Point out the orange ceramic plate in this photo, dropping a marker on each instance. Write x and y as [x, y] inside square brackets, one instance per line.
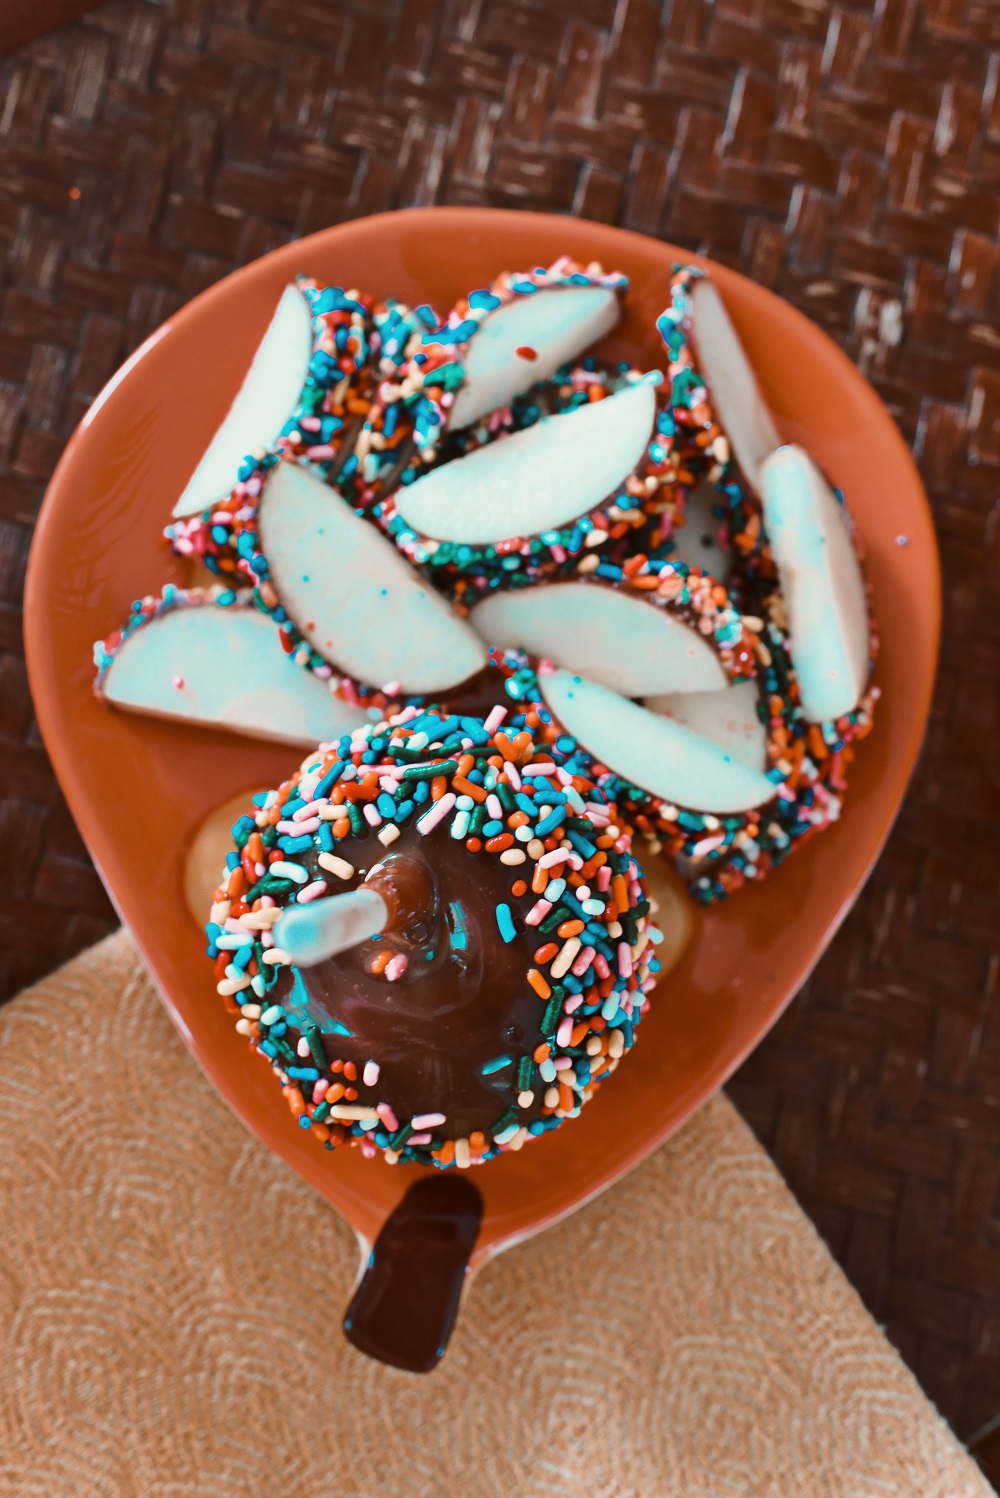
[139, 787]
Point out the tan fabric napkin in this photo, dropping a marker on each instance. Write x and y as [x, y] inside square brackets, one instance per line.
[171, 1295]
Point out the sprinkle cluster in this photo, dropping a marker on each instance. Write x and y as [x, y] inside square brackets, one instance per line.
[523, 796]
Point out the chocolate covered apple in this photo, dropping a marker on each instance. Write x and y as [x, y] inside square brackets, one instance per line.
[436, 932]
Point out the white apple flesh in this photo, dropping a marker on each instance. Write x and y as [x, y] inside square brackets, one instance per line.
[660, 756]
[696, 542]
[224, 668]
[264, 402]
[739, 403]
[728, 717]
[356, 600]
[551, 326]
[623, 642]
[822, 583]
[536, 480]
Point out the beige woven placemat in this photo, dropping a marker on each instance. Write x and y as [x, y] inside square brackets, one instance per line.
[171, 1294]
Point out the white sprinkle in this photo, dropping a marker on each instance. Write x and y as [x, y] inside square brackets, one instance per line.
[512, 857]
[335, 865]
[276, 954]
[370, 1074]
[283, 870]
[389, 834]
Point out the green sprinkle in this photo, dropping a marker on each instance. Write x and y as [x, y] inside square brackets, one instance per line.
[321, 1112]
[316, 1046]
[552, 1010]
[357, 821]
[525, 1072]
[429, 772]
[399, 1139]
[511, 1116]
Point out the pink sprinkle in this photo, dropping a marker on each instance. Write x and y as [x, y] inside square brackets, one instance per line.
[310, 423]
[324, 672]
[420, 1139]
[573, 1003]
[494, 718]
[267, 902]
[387, 1116]
[437, 813]
[303, 1046]
[512, 775]
[311, 892]
[298, 829]
[372, 815]
[601, 966]
[550, 860]
[621, 846]
[538, 911]
[320, 1090]
[562, 1063]
[604, 879]
[428, 1120]
[178, 682]
[304, 813]
[624, 959]
[564, 1031]
[367, 1149]
[321, 451]
[647, 985]
[582, 892]
[494, 807]
[266, 939]
[547, 768]
[396, 967]
[558, 554]
[582, 963]
[370, 1074]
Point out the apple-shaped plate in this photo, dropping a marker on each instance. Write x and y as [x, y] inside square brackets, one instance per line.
[139, 786]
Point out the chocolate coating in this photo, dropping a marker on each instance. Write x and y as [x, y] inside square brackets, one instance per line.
[463, 1000]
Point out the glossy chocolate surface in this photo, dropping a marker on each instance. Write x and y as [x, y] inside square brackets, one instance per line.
[463, 1001]
[405, 1305]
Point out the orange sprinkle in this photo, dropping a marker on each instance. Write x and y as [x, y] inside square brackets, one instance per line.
[468, 788]
[518, 888]
[518, 819]
[474, 844]
[498, 844]
[446, 1153]
[570, 928]
[466, 763]
[320, 1130]
[546, 953]
[438, 787]
[566, 1098]
[350, 1071]
[619, 889]
[539, 984]
[578, 1032]
[295, 1100]
[350, 1094]
[506, 747]
[335, 1092]
[379, 963]
[541, 1053]
[477, 1141]
[337, 1065]
[539, 879]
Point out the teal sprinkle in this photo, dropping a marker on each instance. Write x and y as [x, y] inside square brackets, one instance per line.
[497, 1065]
[505, 923]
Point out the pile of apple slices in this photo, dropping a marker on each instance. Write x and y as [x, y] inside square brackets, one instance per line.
[718, 707]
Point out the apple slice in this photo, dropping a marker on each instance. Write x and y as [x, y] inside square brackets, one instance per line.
[728, 717]
[262, 405]
[527, 340]
[622, 641]
[660, 756]
[353, 596]
[696, 542]
[313, 932]
[224, 667]
[535, 480]
[822, 583]
[731, 382]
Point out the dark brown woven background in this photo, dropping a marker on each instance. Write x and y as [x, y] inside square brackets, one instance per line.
[847, 155]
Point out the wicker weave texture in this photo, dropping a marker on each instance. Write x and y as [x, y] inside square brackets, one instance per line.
[846, 155]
